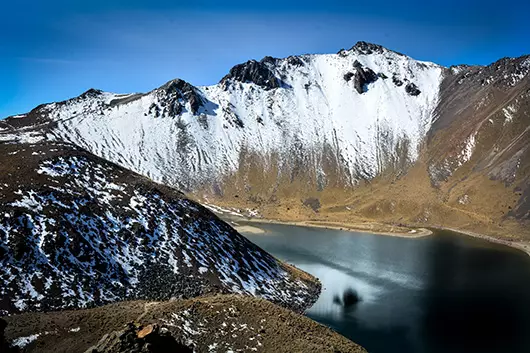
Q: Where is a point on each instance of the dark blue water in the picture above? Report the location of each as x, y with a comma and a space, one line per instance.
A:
443, 293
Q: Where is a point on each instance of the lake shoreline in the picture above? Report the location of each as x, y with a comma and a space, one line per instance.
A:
363, 228
519, 245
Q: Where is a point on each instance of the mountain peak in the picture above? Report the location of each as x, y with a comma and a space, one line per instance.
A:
91, 93
367, 48
254, 71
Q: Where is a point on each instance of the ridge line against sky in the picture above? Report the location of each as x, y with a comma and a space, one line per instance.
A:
55, 50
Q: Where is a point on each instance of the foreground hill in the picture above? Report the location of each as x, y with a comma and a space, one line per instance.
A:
78, 231
367, 134
208, 324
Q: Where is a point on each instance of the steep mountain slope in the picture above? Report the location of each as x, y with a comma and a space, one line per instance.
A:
366, 134
208, 324
78, 231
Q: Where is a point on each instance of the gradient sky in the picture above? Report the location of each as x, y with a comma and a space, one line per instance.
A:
53, 50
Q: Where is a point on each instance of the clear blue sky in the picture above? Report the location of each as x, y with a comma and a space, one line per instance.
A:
52, 50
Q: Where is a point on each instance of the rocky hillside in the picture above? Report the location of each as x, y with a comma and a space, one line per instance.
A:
78, 231
364, 134
208, 324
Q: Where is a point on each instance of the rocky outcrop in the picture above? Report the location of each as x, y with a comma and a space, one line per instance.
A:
366, 48
257, 72
397, 81
175, 95
412, 89
362, 76
5, 347
139, 339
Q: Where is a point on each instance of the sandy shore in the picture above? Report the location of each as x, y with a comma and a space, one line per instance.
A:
248, 229
375, 228
357, 227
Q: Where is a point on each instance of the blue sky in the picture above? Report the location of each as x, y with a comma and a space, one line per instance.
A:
53, 50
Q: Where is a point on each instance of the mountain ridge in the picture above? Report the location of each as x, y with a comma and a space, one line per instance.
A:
309, 126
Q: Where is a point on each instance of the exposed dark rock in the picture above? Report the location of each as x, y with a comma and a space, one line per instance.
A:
367, 48
412, 89
269, 60
295, 61
181, 90
370, 48
125, 100
255, 72
140, 339
363, 77
313, 203
91, 93
348, 76
4, 345
396, 80
232, 116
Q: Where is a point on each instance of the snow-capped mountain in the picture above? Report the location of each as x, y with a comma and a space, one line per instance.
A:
365, 108
78, 231
325, 128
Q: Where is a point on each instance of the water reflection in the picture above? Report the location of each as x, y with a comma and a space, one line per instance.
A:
444, 293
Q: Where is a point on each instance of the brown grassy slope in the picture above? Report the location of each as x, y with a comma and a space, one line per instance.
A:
231, 322
488, 193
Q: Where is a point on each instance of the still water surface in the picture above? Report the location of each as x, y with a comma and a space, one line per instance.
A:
444, 293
